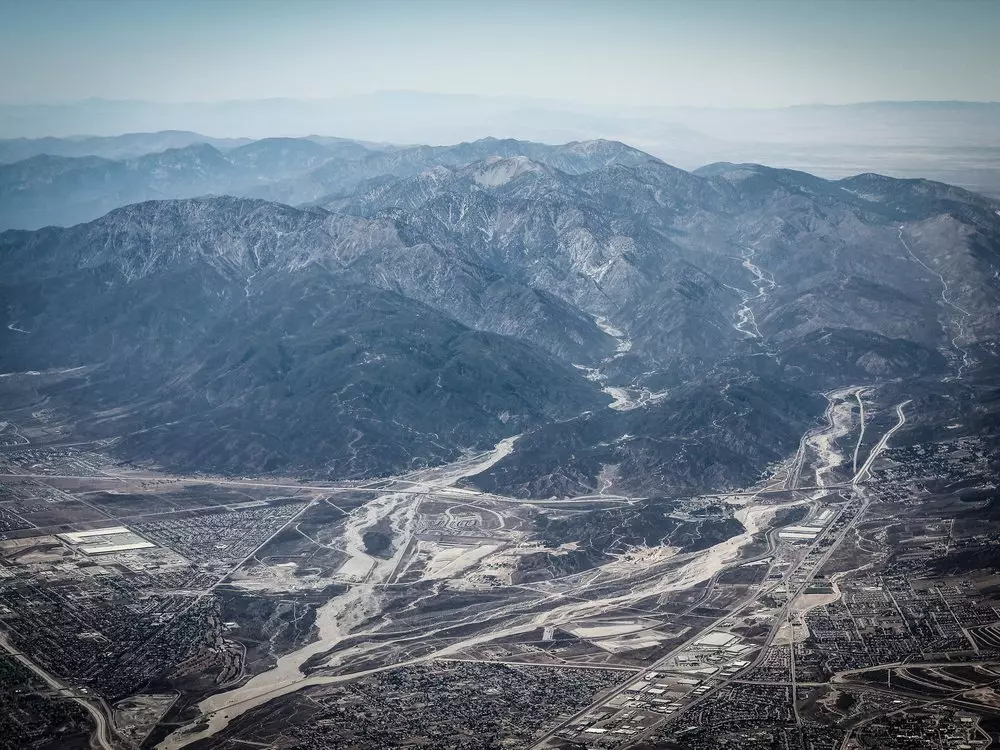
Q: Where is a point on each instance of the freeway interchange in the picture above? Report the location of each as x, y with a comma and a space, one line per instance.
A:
816, 556
418, 573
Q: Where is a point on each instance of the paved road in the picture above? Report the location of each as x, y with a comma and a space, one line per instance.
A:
783, 614
553, 665
426, 486
103, 733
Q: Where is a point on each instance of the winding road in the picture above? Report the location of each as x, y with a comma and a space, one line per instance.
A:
104, 734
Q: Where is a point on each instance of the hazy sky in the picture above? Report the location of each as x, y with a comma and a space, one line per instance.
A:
632, 52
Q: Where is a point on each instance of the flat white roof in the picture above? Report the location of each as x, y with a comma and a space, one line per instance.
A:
98, 549
716, 638
78, 536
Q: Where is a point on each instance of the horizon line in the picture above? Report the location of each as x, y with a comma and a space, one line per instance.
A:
501, 98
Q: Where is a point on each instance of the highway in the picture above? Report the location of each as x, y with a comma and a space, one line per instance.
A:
783, 615
954, 698
880, 446
433, 482
861, 433
103, 732
410, 487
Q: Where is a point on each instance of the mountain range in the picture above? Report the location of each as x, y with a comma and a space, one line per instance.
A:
642, 327
952, 141
48, 189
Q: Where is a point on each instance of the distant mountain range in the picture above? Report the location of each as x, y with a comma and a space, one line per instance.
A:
644, 327
64, 190
405, 116
127, 146
903, 139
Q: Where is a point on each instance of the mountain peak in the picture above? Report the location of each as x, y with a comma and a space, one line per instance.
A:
499, 170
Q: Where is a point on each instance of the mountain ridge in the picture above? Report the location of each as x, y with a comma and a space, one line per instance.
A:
629, 299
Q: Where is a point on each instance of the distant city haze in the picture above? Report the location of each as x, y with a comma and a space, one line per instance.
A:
831, 87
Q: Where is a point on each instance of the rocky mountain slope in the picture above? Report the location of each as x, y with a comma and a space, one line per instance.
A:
126, 146
223, 334
50, 188
647, 329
